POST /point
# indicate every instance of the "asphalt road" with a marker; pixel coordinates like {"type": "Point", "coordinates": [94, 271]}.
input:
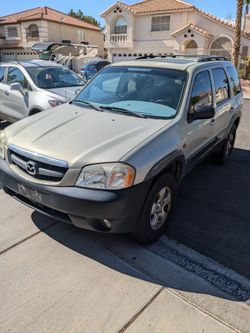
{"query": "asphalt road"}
{"type": "Point", "coordinates": [212, 214]}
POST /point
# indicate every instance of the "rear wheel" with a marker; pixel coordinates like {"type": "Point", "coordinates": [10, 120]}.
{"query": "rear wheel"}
{"type": "Point", "coordinates": [224, 154]}
{"type": "Point", "coordinates": [157, 210]}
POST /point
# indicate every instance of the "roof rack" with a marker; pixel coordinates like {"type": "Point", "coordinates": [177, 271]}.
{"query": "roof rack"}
{"type": "Point", "coordinates": [195, 57]}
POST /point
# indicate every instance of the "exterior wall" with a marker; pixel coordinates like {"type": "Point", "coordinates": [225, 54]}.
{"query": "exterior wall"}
{"type": "Point", "coordinates": [59, 32]}
{"type": "Point", "coordinates": [43, 33]}
{"type": "Point", "coordinates": [48, 31]}
{"type": "Point", "coordinates": [141, 40]}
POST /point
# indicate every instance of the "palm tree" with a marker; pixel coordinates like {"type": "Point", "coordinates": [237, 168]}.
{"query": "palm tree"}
{"type": "Point", "coordinates": [238, 29]}
{"type": "Point", "coordinates": [246, 4]}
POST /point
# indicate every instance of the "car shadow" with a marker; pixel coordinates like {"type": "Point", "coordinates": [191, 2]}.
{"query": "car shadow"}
{"type": "Point", "coordinates": [212, 216]}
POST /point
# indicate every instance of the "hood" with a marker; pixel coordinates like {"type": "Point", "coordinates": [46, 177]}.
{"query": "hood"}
{"type": "Point", "coordinates": [81, 136]}
{"type": "Point", "coordinates": [67, 93]}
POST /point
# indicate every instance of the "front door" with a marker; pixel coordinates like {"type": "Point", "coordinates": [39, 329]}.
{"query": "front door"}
{"type": "Point", "coordinates": [16, 104]}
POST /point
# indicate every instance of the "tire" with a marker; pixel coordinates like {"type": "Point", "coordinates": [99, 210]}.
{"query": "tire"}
{"type": "Point", "coordinates": [157, 210]}
{"type": "Point", "coordinates": [225, 152]}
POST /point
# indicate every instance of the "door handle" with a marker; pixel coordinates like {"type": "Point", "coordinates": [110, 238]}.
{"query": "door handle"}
{"type": "Point", "coordinates": [212, 122]}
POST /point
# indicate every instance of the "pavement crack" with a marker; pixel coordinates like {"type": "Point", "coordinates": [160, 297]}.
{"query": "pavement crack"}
{"type": "Point", "coordinates": [26, 238]}
{"type": "Point", "coordinates": [140, 312]}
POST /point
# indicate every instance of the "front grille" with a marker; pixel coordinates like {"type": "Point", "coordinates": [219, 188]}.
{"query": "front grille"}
{"type": "Point", "coordinates": [35, 165]}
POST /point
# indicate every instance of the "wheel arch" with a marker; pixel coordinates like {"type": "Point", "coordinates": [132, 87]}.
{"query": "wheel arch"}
{"type": "Point", "coordinates": [174, 164]}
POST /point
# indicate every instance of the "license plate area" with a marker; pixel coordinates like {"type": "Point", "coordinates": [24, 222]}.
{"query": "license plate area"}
{"type": "Point", "coordinates": [29, 193]}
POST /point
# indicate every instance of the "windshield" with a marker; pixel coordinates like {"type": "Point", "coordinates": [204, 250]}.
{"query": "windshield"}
{"type": "Point", "coordinates": [54, 77]}
{"type": "Point", "coordinates": [152, 92]}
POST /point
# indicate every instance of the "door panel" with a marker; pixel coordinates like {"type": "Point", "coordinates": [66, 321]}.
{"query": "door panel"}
{"type": "Point", "coordinates": [222, 101]}
{"type": "Point", "coordinates": [16, 102]}
{"type": "Point", "coordinates": [200, 133]}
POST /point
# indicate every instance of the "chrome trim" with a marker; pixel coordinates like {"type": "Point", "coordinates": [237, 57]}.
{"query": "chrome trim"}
{"type": "Point", "coordinates": [38, 157]}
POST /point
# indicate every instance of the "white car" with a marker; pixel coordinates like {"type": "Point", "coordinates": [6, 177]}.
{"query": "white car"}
{"type": "Point", "coordinates": [29, 87]}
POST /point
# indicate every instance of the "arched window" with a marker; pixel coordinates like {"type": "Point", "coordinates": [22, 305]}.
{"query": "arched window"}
{"type": "Point", "coordinates": [33, 31]}
{"type": "Point", "coordinates": [120, 26]}
{"type": "Point", "coordinates": [191, 44]}
{"type": "Point", "coordinates": [222, 47]}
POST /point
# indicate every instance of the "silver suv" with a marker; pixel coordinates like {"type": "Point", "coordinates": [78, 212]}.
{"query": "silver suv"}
{"type": "Point", "coordinates": [111, 159]}
{"type": "Point", "coordinates": [27, 88]}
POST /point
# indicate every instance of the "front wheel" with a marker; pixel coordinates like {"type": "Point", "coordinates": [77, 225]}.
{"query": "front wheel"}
{"type": "Point", "coordinates": [157, 210]}
{"type": "Point", "coordinates": [224, 154]}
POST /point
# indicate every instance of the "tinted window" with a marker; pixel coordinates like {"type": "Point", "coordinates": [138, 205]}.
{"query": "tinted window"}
{"type": "Point", "coordinates": [202, 90]}
{"type": "Point", "coordinates": [221, 85]}
{"type": "Point", "coordinates": [234, 80]}
{"type": "Point", "coordinates": [15, 75]}
{"type": "Point", "coordinates": [2, 71]}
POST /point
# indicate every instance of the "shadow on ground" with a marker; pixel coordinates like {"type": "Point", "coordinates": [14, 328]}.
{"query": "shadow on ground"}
{"type": "Point", "coordinates": [212, 213]}
{"type": "Point", "coordinates": [212, 216]}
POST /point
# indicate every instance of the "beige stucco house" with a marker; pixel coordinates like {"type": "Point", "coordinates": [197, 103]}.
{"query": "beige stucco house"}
{"type": "Point", "coordinates": [19, 31]}
{"type": "Point", "coordinates": [167, 26]}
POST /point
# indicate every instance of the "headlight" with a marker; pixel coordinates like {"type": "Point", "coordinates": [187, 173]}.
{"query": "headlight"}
{"type": "Point", "coordinates": [109, 176]}
{"type": "Point", "coordinates": [2, 144]}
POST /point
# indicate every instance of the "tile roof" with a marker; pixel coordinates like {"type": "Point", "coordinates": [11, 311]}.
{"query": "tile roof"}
{"type": "Point", "coordinates": [152, 6]}
{"type": "Point", "coordinates": [48, 14]}
{"type": "Point", "coordinates": [219, 20]}
{"type": "Point", "coordinates": [195, 28]}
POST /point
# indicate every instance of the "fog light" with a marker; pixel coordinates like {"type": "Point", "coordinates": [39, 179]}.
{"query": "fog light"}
{"type": "Point", "coordinates": [107, 224]}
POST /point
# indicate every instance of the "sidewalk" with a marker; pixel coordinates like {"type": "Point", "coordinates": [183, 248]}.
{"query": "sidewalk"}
{"type": "Point", "coordinates": [56, 278]}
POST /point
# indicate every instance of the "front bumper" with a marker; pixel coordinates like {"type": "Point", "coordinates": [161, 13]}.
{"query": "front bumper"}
{"type": "Point", "coordinates": [99, 210]}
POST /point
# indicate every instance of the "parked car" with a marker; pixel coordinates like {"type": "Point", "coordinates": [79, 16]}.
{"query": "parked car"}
{"type": "Point", "coordinates": [29, 87]}
{"type": "Point", "coordinates": [92, 67]}
{"type": "Point", "coordinates": [111, 159]}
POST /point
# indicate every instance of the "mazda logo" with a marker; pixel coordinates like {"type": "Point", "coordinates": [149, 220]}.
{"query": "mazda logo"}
{"type": "Point", "coordinates": [31, 168]}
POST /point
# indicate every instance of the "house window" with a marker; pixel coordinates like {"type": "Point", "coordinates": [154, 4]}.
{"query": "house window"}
{"type": "Point", "coordinates": [222, 47]}
{"type": "Point", "coordinates": [33, 31]}
{"type": "Point", "coordinates": [160, 23]}
{"type": "Point", "coordinates": [120, 26]}
{"type": "Point", "coordinates": [12, 31]}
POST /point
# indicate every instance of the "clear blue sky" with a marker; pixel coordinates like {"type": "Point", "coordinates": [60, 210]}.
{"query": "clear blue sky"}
{"type": "Point", "coordinates": [221, 8]}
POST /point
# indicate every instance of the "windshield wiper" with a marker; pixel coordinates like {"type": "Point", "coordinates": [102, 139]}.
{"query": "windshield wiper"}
{"type": "Point", "coordinates": [123, 111]}
{"type": "Point", "coordinates": [87, 103]}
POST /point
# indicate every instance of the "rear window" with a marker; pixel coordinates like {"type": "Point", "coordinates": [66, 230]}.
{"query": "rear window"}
{"type": "Point", "coordinates": [234, 80]}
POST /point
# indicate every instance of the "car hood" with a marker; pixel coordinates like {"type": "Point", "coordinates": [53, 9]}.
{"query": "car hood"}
{"type": "Point", "coordinates": [81, 136]}
{"type": "Point", "coordinates": [67, 93]}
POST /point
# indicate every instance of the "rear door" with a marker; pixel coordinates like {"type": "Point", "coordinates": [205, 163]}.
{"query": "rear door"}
{"type": "Point", "coordinates": [200, 133]}
{"type": "Point", "coordinates": [223, 103]}
{"type": "Point", "coordinates": [17, 102]}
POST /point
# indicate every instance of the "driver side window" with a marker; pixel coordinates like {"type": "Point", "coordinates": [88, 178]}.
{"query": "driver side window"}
{"type": "Point", "coordinates": [202, 91]}
{"type": "Point", "coordinates": [15, 75]}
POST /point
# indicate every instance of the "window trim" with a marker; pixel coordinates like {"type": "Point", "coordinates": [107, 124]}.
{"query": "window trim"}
{"type": "Point", "coordinates": [229, 87]}
{"type": "Point", "coordinates": [191, 90]}
{"type": "Point", "coordinates": [159, 31]}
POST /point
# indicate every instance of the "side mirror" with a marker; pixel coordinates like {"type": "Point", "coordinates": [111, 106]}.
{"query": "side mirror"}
{"type": "Point", "coordinates": [201, 112]}
{"type": "Point", "coordinates": [17, 87]}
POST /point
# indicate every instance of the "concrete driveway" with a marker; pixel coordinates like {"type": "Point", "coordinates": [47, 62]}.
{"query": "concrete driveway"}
{"type": "Point", "coordinates": [56, 278]}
